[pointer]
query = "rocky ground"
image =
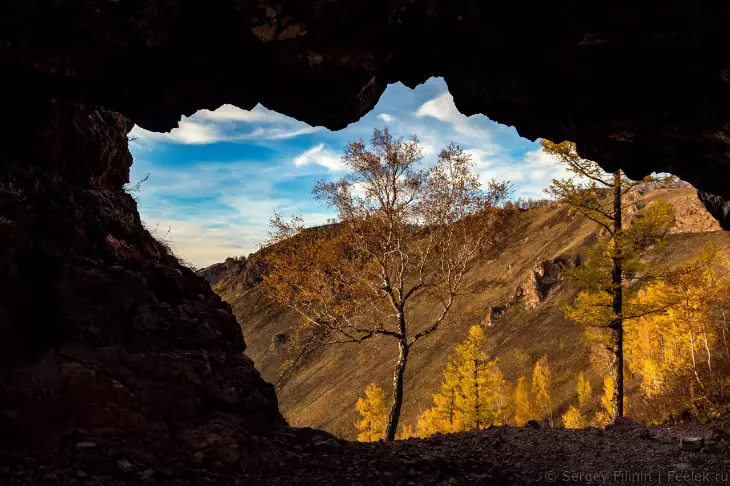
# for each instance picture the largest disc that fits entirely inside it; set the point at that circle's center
(625, 453)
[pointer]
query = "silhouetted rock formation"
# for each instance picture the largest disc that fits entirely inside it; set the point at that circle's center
(104, 337)
(641, 89)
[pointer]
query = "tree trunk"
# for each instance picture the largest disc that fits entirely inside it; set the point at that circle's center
(724, 334)
(400, 369)
(617, 301)
(707, 346)
(694, 361)
(476, 394)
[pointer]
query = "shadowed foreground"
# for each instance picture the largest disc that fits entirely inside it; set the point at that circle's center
(626, 453)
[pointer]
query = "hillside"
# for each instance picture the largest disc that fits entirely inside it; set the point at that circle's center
(516, 295)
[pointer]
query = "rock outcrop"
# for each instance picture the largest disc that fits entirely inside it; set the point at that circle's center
(535, 288)
(104, 337)
(236, 274)
(718, 206)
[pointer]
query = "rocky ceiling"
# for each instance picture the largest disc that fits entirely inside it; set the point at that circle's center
(644, 89)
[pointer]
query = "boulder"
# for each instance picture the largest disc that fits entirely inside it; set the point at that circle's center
(692, 444)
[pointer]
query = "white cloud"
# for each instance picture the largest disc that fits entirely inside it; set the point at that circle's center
(282, 135)
(320, 155)
(217, 209)
(529, 175)
(442, 108)
(233, 113)
(226, 124)
(188, 131)
(201, 244)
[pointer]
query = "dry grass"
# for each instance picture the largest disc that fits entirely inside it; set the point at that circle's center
(323, 392)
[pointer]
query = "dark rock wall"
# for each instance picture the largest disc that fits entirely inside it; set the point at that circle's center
(644, 88)
(104, 336)
(718, 206)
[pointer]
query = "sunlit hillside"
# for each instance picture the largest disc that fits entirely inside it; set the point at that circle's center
(516, 294)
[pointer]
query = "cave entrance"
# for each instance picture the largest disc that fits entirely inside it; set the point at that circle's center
(209, 187)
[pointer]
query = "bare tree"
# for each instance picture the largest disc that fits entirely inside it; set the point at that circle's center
(402, 232)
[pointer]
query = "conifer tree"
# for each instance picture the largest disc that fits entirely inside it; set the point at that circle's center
(524, 409)
(573, 419)
(474, 393)
(584, 390)
(479, 390)
(607, 413)
(541, 386)
(602, 197)
(673, 351)
(446, 402)
(374, 415)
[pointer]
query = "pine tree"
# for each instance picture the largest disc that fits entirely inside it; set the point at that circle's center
(374, 414)
(608, 413)
(573, 419)
(474, 393)
(541, 385)
(602, 303)
(445, 402)
(584, 390)
(479, 391)
(524, 410)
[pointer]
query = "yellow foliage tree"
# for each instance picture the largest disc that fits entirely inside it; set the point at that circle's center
(445, 402)
(406, 432)
(573, 419)
(601, 198)
(608, 413)
(474, 393)
(524, 410)
(675, 351)
(374, 414)
(541, 385)
(584, 390)
(430, 422)
(503, 397)
(480, 384)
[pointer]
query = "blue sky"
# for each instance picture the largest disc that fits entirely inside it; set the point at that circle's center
(216, 179)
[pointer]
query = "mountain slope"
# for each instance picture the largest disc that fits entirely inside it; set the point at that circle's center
(517, 295)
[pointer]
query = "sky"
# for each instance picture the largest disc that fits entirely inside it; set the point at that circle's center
(215, 181)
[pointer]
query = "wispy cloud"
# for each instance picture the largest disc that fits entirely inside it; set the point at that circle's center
(227, 124)
(217, 198)
(320, 155)
(442, 108)
(529, 175)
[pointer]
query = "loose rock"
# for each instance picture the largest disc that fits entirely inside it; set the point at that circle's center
(692, 443)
